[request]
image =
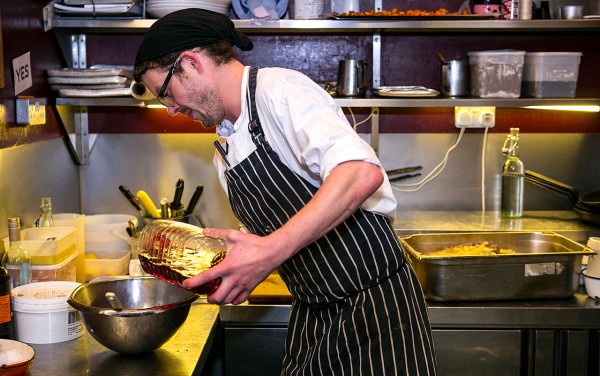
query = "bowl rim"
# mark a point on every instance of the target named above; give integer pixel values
(6, 366)
(185, 302)
(583, 272)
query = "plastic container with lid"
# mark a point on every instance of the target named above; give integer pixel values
(496, 73)
(551, 74)
(66, 270)
(42, 314)
(48, 245)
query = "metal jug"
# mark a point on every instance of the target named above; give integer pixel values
(454, 81)
(352, 78)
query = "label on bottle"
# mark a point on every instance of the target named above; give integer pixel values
(4, 309)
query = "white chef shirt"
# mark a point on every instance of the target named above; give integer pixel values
(306, 128)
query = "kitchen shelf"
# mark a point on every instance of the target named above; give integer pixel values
(367, 102)
(352, 26)
(71, 36)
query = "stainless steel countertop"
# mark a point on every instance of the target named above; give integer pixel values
(181, 355)
(565, 223)
(576, 312)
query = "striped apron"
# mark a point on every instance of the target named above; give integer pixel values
(358, 308)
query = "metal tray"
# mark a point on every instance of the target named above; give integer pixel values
(546, 265)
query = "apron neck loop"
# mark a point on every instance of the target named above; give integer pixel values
(254, 126)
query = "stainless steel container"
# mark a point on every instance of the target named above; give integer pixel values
(546, 265)
(454, 81)
(352, 78)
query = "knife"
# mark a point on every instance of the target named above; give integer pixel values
(176, 205)
(148, 204)
(130, 197)
(194, 200)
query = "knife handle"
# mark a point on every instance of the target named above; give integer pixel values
(148, 204)
(130, 197)
(194, 200)
(176, 204)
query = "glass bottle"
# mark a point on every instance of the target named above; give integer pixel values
(16, 259)
(46, 219)
(513, 177)
(7, 330)
(174, 251)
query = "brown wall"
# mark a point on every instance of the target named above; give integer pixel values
(407, 59)
(22, 31)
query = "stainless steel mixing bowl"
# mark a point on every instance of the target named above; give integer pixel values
(152, 312)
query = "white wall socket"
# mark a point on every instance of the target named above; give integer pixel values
(474, 117)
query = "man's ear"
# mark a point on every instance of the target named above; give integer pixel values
(192, 60)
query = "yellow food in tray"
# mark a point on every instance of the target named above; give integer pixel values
(397, 12)
(481, 249)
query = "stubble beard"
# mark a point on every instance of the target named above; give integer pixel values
(204, 97)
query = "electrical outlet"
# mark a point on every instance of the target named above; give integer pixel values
(31, 111)
(475, 117)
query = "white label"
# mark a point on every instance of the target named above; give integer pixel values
(544, 268)
(22, 73)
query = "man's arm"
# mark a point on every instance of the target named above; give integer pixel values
(252, 258)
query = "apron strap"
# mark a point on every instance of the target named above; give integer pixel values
(254, 126)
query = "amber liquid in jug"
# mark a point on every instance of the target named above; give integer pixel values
(174, 251)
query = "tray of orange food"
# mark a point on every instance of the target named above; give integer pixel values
(412, 14)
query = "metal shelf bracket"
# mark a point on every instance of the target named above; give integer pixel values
(75, 122)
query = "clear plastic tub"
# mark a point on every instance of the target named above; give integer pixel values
(106, 263)
(496, 73)
(107, 231)
(48, 245)
(66, 270)
(551, 74)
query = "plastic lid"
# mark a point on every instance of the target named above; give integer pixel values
(496, 52)
(554, 54)
(49, 296)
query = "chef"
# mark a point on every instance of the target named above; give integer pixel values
(312, 195)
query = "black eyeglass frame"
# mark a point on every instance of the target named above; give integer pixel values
(165, 100)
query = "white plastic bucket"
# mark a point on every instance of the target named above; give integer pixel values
(107, 231)
(42, 315)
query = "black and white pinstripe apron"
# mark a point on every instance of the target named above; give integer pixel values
(358, 308)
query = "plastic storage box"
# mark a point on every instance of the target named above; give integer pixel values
(496, 73)
(66, 270)
(551, 74)
(48, 245)
(107, 263)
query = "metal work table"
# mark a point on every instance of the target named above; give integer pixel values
(578, 311)
(184, 354)
(565, 223)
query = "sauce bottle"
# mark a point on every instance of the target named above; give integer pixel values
(513, 177)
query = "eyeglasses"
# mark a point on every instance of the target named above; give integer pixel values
(164, 99)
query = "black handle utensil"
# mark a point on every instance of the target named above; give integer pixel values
(194, 200)
(176, 205)
(131, 198)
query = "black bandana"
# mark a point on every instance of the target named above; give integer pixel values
(186, 29)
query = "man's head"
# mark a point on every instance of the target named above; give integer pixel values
(185, 30)
(176, 61)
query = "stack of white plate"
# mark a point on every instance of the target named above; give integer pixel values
(159, 8)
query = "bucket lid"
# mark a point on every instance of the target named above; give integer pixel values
(50, 296)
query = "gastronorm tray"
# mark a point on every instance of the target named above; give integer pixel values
(545, 265)
(414, 18)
